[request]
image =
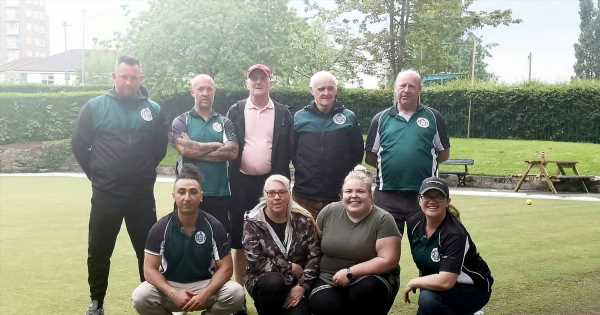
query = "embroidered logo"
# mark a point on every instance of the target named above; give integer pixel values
(435, 255)
(216, 126)
(200, 237)
(422, 122)
(339, 119)
(146, 114)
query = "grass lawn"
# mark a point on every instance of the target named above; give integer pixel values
(545, 258)
(505, 157)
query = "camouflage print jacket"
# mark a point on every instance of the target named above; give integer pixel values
(266, 253)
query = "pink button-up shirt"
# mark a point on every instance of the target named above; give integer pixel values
(258, 142)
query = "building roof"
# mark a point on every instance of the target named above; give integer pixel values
(67, 61)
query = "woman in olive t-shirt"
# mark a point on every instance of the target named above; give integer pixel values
(360, 244)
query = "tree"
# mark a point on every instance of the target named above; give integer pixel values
(587, 49)
(396, 33)
(176, 39)
(98, 66)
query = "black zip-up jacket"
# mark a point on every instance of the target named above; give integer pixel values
(326, 147)
(120, 142)
(282, 133)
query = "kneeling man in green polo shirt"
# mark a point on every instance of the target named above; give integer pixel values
(187, 264)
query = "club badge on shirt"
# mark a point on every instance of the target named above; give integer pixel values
(339, 119)
(422, 122)
(216, 126)
(200, 237)
(435, 255)
(146, 114)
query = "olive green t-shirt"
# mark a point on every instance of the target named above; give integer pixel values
(345, 243)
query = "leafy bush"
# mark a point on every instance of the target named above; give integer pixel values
(568, 112)
(37, 117)
(43, 88)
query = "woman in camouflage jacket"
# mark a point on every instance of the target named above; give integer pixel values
(282, 247)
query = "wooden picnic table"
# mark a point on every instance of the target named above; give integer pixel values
(550, 179)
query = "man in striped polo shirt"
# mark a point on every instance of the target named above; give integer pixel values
(406, 142)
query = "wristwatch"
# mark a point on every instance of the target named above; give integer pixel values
(349, 273)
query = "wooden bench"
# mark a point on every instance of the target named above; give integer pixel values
(460, 174)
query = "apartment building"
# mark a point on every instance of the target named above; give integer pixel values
(24, 30)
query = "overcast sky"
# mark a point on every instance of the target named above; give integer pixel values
(549, 30)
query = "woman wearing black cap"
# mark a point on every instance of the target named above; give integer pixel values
(453, 279)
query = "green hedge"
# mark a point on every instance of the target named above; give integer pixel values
(43, 88)
(36, 117)
(365, 103)
(569, 112)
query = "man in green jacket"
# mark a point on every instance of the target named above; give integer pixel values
(119, 140)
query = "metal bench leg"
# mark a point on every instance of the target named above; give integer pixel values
(461, 180)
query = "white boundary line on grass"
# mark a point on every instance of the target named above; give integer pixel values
(593, 197)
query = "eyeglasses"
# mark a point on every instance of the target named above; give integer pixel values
(273, 193)
(436, 197)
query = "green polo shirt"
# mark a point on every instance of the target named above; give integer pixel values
(406, 149)
(188, 258)
(217, 128)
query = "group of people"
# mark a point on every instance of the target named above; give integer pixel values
(327, 244)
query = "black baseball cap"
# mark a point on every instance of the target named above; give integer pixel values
(434, 183)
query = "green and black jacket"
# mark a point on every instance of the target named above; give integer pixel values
(119, 142)
(450, 248)
(326, 147)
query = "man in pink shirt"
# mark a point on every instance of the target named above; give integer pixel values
(264, 129)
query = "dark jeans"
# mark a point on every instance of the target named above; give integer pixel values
(401, 204)
(461, 299)
(246, 190)
(369, 295)
(106, 215)
(270, 294)
(219, 208)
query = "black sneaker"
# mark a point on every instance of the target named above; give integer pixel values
(93, 309)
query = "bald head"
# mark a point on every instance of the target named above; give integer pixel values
(407, 90)
(203, 91)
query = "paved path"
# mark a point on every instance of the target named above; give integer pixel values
(593, 197)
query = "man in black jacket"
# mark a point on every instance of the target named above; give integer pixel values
(263, 127)
(328, 144)
(119, 140)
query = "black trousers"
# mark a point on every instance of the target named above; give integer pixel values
(367, 295)
(107, 214)
(461, 299)
(218, 207)
(401, 204)
(246, 191)
(270, 294)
